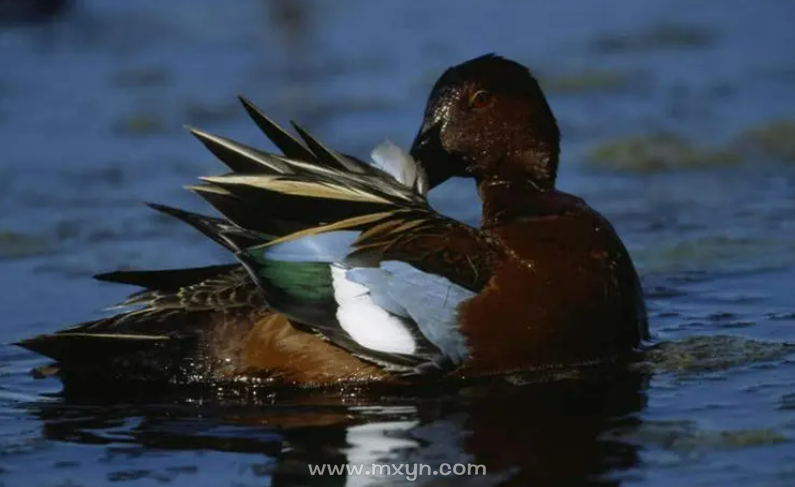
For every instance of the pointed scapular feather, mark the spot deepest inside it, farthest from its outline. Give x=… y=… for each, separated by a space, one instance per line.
x=350 y=223
x=229 y=205
x=214 y=228
x=165 y=279
x=312 y=168
x=376 y=235
x=120 y=336
x=240 y=157
x=263 y=211
x=407 y=226
x=326 y=155
x=207 y=188
x=380 y=229
x=297 y=187
x=286 y=143
x=244 y=159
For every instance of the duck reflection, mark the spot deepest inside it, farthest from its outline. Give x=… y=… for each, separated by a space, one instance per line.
x=549 y=433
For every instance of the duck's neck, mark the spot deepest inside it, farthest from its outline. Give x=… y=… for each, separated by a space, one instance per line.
x=537 y=164
x=515 y=185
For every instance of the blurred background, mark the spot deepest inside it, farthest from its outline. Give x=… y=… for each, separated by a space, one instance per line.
x=678 y=123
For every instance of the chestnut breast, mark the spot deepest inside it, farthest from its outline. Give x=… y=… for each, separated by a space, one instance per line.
x=564 y=290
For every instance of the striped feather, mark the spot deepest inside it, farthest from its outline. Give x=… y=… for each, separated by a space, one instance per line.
x=299 y=187
x=285 y=142
x=348 y=224
x=166 y=280
x=221 y=231
x=328 y=156
x=239 y=157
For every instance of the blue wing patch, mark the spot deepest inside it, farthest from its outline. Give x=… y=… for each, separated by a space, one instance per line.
x=430 y=300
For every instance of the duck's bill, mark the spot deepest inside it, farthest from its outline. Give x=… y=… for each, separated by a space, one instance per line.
x=429 y=153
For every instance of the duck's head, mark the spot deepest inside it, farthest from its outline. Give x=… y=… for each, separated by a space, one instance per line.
x=487 y=118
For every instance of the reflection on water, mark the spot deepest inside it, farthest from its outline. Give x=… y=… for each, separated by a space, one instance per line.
x=552 y=432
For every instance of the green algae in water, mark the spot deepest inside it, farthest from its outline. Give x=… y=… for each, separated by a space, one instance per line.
x=685 y=438
x=665 y=152
x=712 y=353
x=14 y=245
x=140 y=124
x=658 y=152
x=663 y=36
x=592 y=80
x=717 y=251
x=774 y=139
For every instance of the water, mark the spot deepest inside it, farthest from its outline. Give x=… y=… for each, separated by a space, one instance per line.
x=677 y=124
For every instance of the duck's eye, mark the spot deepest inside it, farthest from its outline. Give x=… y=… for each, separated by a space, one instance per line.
x=480 y=99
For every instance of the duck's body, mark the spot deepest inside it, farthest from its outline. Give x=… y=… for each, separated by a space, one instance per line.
x=567 y=271
x=365 y=282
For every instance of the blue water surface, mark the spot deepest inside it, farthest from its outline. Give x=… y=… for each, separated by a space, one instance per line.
x=93 y=98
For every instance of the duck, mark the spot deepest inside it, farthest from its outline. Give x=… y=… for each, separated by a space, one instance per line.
x=346 y=275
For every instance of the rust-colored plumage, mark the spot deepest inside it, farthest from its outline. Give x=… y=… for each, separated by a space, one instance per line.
x=563 y=290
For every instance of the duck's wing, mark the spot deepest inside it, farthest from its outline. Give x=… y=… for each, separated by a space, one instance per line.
x=174 y=309
x=381 y=274
x=152 y=312
x=388 y=289
x=162 y=314
x=175 y=302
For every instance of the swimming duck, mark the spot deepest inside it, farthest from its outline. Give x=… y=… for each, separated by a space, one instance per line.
x=347 y=275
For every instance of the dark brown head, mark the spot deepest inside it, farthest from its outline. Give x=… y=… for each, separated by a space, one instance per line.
x=487 y=118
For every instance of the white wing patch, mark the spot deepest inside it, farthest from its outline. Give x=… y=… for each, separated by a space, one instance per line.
x=367 y=323
x=430 y=300
x=400 y=165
